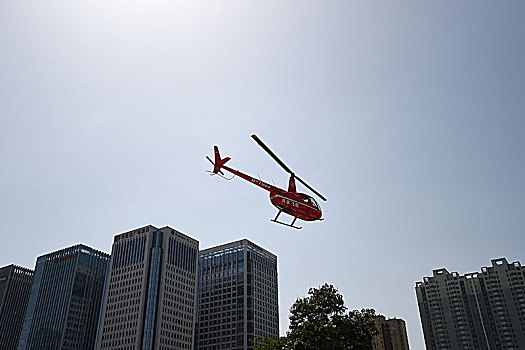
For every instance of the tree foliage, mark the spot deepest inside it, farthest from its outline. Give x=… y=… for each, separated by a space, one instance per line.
x=321 y=321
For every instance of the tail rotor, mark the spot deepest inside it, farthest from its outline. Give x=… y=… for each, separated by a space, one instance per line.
x=218 y=164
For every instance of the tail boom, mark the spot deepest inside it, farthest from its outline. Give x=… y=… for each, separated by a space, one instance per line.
x=218 y=166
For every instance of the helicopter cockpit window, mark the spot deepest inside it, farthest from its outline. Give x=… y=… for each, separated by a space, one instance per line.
x=305 y=198
x=314 y=203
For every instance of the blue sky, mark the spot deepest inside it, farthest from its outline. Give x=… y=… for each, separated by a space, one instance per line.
x=408 y=116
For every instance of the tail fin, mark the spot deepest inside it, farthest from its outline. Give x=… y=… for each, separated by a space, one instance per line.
x=217 y=165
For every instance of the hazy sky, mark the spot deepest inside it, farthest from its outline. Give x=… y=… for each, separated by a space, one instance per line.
x=407 y=115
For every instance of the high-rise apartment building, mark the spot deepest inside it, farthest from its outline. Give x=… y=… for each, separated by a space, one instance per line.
x=392 y=334
x=64 y=304
x=238 y=296
x=481 y=310
x=150 y=295
x=15 y=286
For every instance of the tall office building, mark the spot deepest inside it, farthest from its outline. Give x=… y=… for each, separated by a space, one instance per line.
x=238 y=296
x=150 y=297
x=392 y=334
x=481 y=310
x=15 y=286
x=64 y=304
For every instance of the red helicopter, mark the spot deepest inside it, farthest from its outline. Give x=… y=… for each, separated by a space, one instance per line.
x=299 y=205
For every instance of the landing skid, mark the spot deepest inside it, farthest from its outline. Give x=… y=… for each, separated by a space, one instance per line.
x=284 y=223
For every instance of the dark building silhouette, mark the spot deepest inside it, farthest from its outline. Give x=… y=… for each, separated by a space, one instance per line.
x=238 y=297
x=392 y=334
x=150 y=298
x=481 y=310
x=64 y=304
x=15 y=286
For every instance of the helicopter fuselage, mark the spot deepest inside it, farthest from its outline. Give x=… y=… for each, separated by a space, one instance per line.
x=298 y=205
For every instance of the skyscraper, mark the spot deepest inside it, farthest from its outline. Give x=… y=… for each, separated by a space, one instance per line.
x=481 y=310
x=238 y=297
x=150 y=295
x=392 y=334
x=15 y=286
x=64 y=305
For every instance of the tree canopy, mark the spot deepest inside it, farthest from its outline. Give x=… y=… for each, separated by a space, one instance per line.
x=320 y=321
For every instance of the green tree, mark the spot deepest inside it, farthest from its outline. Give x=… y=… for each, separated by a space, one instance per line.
x=321 y=321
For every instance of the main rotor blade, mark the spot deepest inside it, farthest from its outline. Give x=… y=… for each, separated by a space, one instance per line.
x=258 y=140
x=280 y=162
x=310 y=188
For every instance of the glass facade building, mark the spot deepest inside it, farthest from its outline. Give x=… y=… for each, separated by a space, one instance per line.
x=150 y=298
x=482 y=310
x=238 y=296
x=15 y=286
x=65 y=298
